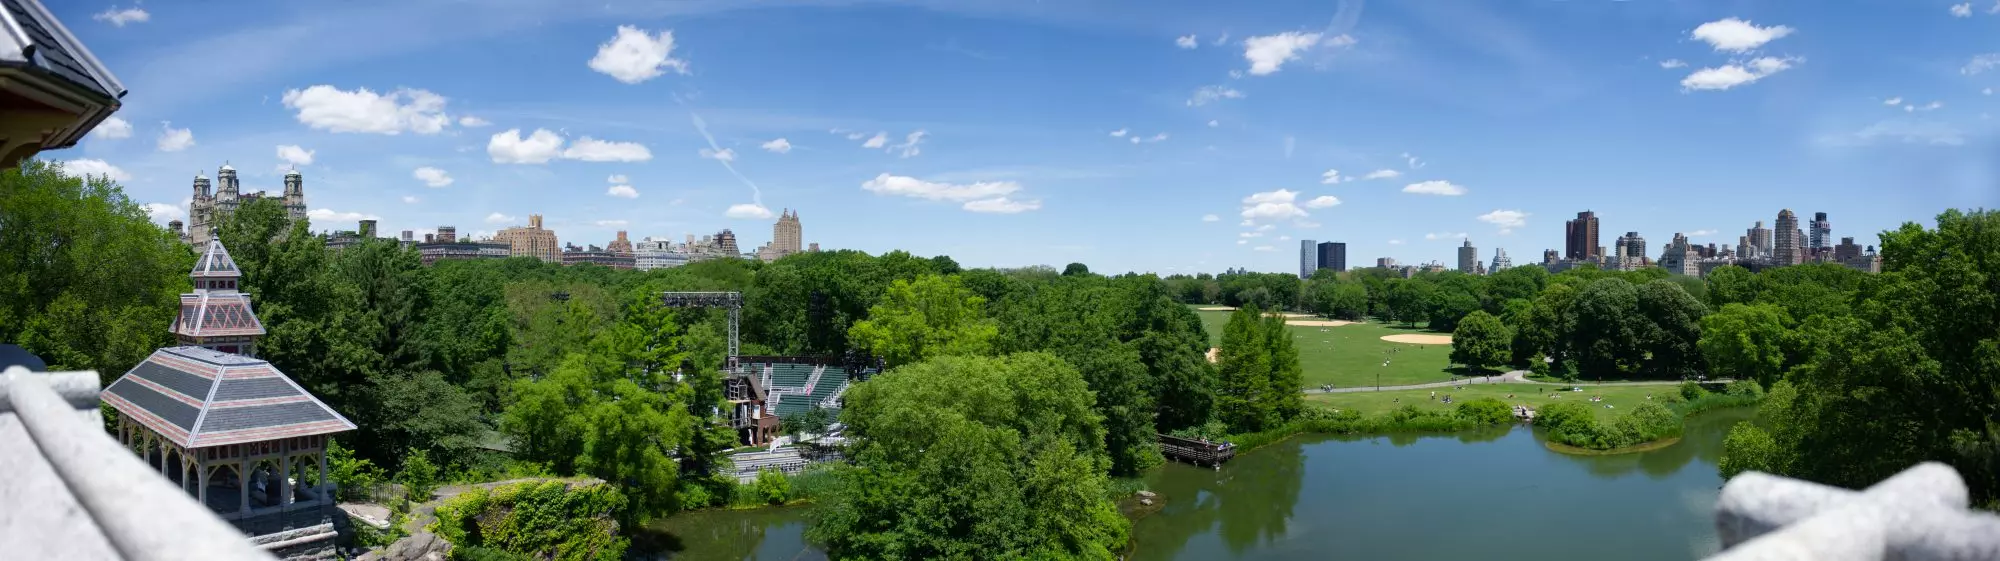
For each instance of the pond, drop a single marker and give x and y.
(1492, 495)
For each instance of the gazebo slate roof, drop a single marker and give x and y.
(198, 397)
(210, 314)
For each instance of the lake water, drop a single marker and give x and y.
(1492, 495)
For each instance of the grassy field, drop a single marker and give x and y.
(1351, 355)
(1621, 397)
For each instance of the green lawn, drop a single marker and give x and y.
(1621, 397)
(1352, 355)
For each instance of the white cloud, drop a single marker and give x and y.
(1932, 106)
(611, 223)
(910, 145)
(509, 148)
(1186, 42)
(113, 127)
(1264, 248)
(1267, 227)
(94, 168)
(1435, 187)
(1893, 101)
(1995, 9)
(1412, 161)
(724, 154)
(295, 155)
(1284, 238)
(747, 211)
(325, 215)
(906, 186)
(622, 191)
(1242, 242)
(471, 121)
(1213, 123)
(1206, 94)
(1250, 234)
(778, 145)
(1961, 10)
(593, 150)
(1732, 75)
(1395, 242)
(1332, 176)
(326, 107)
(173, 139)
(879, 140)
(857, 135)
(1898, 131)
(1155, 138)
(1247, 222)
(1701, 233)
(431, 176)
(632, 56)
(617, 178)
(1507, 220)
(162, 212)
(1323, 201)
(1210, 218)
(411, 199)
(497, 218)
(1271, 206)
(1120, 132)
(1444, 236)
(1001, 205)
(118, 18)
(1383, 174)
(1672, 63)
(1267, 53)
(1980, 63)
(1735, 35)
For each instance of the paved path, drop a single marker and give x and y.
(1515, 377)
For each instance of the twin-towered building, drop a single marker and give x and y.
(207, 209)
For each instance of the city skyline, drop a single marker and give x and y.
(1696, 118)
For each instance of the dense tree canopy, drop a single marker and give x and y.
(1481, 342)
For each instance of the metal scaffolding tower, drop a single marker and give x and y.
(731, 300)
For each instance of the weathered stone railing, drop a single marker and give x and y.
(1917, 515)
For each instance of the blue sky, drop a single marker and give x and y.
(1017, 133)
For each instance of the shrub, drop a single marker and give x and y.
(1539, 365)
(1746, 448)
(773, 487)
(542, 520)
(1745, 388)
(419, 477)
(356, 478)
(1486, 411)
(1692, 391)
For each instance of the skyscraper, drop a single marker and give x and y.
(1756, 243)
(1580, 237)
(1308, 258)
(1787, 248)
(1468, 257)
(1500, 261)
(531, 241)
(1333, 255)
(1821, 238)
(785, 238)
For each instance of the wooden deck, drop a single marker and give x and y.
(1197, 452)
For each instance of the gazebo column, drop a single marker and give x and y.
(285, 481)
(325, 485)
(243, 486)
(163, 457)
(201, 482)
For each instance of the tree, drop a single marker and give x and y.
(1075, 269)
(1672, 329)
(1481, 342)
(929, 317)
(971, 457)
(1730, 284)
(813, 422)
(1284, 392)
(1408, 299)
(1745, 342)
(1607, 327)
(1244, 364)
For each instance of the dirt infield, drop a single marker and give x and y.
(1418, 339)
(1292, 315)
(1217, 309)
(1316, 322)
(1215, 354)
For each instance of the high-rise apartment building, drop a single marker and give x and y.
(1500, 261)
(1385, 262)
(1847, 250)
(1787, 248)
(1821, 237)
(1550, 257)
(1681, 257)
(1333, 255)
(1308, 258)
(1755, 243)
(447, 234)
(725, 242)
(532, 241)
(1468, 257)
(1633, 244)
(1580, 237)
(785, 238)
(622, 245)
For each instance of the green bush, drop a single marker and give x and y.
(773, 487)
(356, 478)
(476, 553)
(1746, 448)
(419, 477)
(1745, 388)
(543, 520)
(1486, 411)
(1692, 391)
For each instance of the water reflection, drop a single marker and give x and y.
(1496, 494)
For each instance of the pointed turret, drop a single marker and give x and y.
(216, 315)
